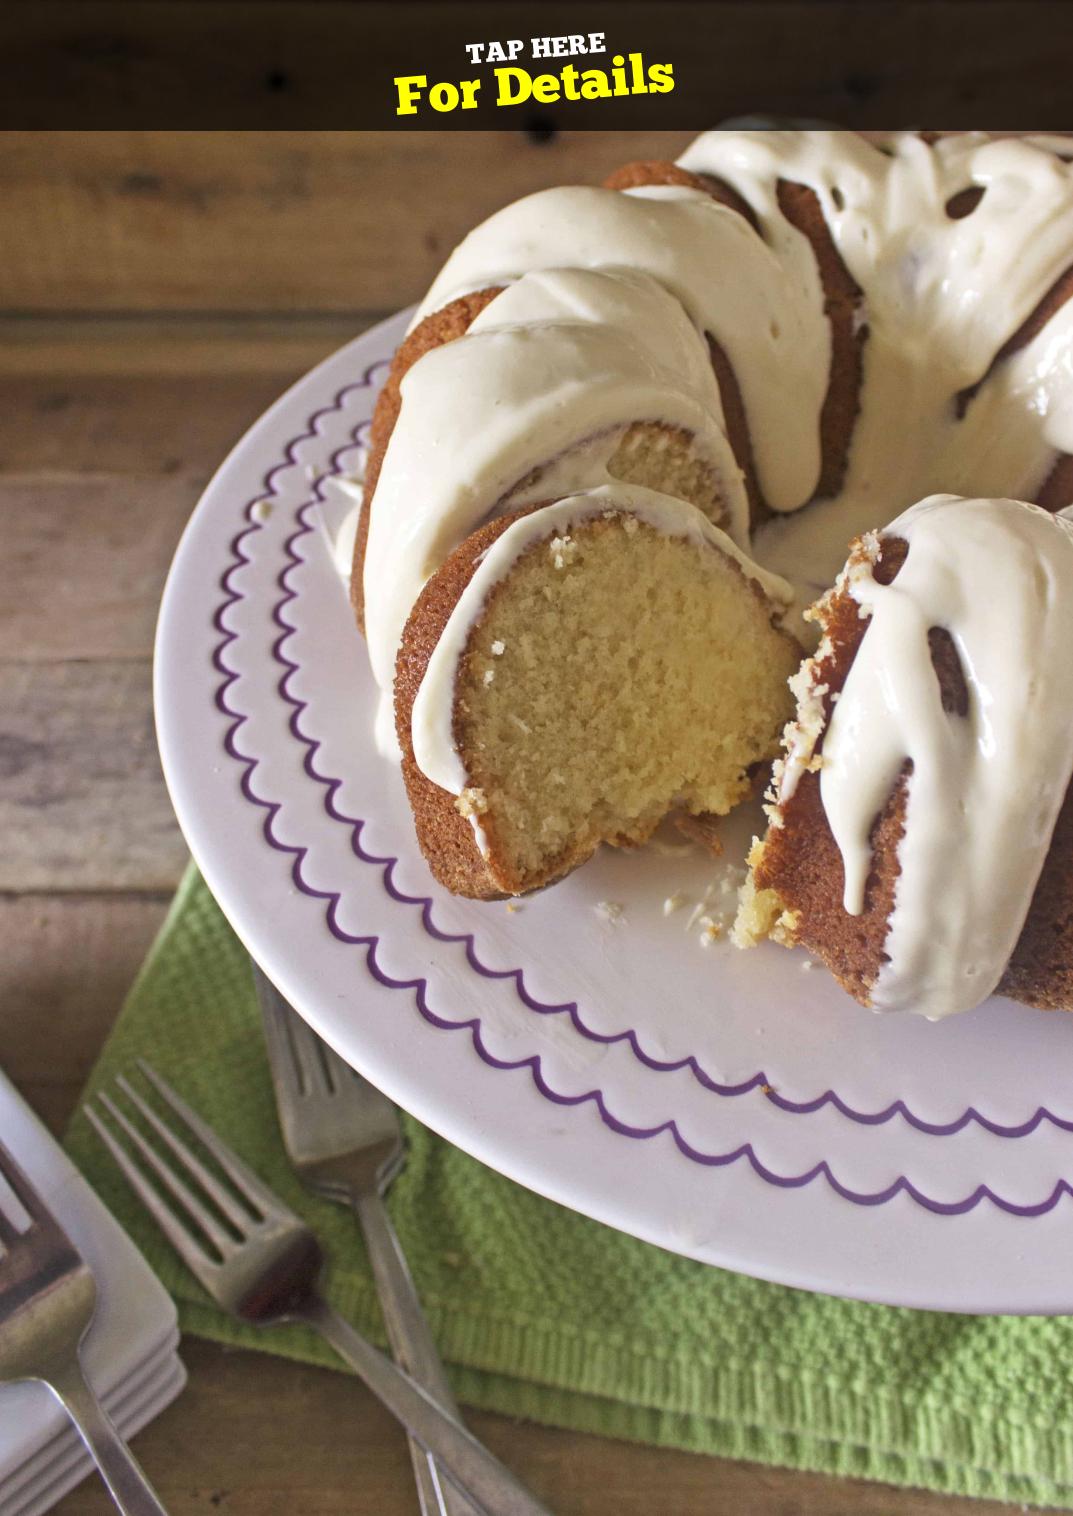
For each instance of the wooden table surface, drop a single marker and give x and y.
(155, 295)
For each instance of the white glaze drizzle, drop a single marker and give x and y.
(765, 309)
(941, 296)
(985, 789)
(433, 712)
(549, 373)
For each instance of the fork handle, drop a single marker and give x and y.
(130, 1490)
(412, 1345)
(463, 1459)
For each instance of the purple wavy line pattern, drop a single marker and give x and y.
(419, 987)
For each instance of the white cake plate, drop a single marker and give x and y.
(734, 1107)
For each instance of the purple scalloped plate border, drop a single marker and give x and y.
(899, 1186)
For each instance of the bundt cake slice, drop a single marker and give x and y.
(575, 672)
(921, 832)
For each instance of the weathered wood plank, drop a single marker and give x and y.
(296, 221)
(99, 471)
(87, 559)
(58, 348)
(68, 425)
(66, 963)
(82, 802)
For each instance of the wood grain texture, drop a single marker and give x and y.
(53, 350)
(114, 429)
(73, 535)
(82, 803)
(260, 221)
(67, 961)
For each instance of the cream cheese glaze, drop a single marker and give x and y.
(433, 713)
(765, 310)
(941, 296)
(986, 788)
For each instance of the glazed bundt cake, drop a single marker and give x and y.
(575, 672)
(921, 828)
(787, 335)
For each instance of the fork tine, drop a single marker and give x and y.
(309, 1053)
(19, 1184)
(9, 1232)
(236, 1214)
(172, 1181)
(281, 1051)
(182, 1240)
(243, 1178)
(341, 1076)
(298, 1055)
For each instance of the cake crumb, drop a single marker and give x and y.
(471, 802)
(563, 551)
(610, 910)
(261, 510)
(666, 849)
(498, 648)
(710, 931)
(513, 907)
(674, 903)
(806, 965)
(767, 1089)
(786, 928)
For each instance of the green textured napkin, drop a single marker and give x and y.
(543, 1313)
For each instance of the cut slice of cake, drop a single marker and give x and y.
(574, 673)
(921, 832)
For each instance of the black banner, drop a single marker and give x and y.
(266, 64)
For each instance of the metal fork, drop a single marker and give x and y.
(260, 1262)
(47, 1299)
(344, 1140)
